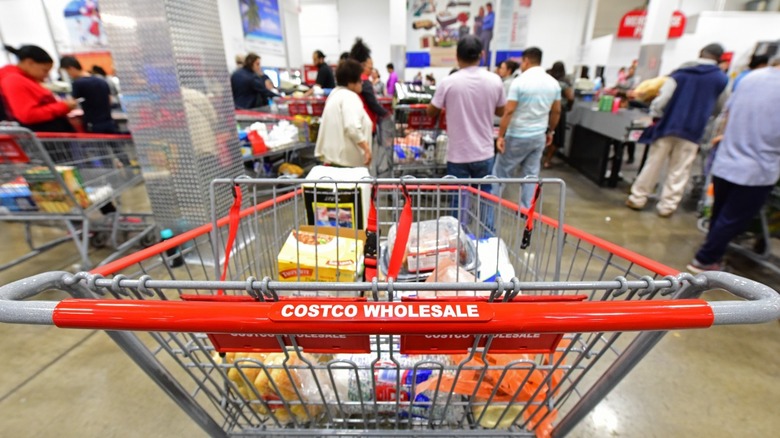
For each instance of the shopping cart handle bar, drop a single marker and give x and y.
(284, 318)
(762, 305)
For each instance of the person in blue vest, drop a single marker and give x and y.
(685, 103)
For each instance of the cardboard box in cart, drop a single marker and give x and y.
(331, 203)
(329, 254)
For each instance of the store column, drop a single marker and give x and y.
(170, 60)
(655, 33)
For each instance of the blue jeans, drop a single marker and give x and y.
(525, 154)
(476, 169)
(733, 208)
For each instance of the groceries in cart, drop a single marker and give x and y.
(277, 385)
(329, 203)
(260, 139)
(361, 379)
(15, 196)
(414, 147)
(504, 388)
(322, 254)
(50, 195)
(430, 243)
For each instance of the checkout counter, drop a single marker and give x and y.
(595, 140)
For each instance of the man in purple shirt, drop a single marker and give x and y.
(391, 81)
(470, 97)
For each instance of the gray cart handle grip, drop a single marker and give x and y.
(760, 304)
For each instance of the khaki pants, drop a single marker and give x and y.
(680, 154)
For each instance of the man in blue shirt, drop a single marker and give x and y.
(746, 166)
(532, 112)
(686, 101)
(486, 34)
(96, 94)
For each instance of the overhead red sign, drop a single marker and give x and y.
(632, 24)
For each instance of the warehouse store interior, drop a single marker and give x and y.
(586, 191)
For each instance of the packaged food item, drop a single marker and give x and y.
(324, 254)
(16, 196)
(386, 383)
(501, 384)
(50, 195)
(493, 259)
(449, 271)
(332, 203)
(432, 242)
(283, 382)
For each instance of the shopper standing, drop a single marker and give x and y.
(113, 84)
(324, 73)
(391, 80)
(362, 54)
(746, 166)
(376, 82)
(558, 72)
(684, 104)
(508, 70)
(96, 95)
(532, 112)
(344, 138)
(486, 33)
(249, 85)
(25, 100)
(471, 98)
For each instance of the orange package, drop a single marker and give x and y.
(512, 377)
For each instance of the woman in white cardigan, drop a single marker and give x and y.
(344, 137)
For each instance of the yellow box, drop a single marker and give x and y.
(332, 258)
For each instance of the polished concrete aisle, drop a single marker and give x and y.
(720, 382)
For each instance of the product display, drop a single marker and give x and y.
(50, 195)
(325, 255)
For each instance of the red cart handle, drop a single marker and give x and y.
(361, 318)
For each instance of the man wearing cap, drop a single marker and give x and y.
(470, 97)
(686, 101)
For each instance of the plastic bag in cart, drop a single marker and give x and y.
(433, 241)
(392, 382)
(280, 385)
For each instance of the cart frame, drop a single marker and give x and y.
(633, 302)
(80, 151)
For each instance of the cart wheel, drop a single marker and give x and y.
(148, 240)
(99, 239)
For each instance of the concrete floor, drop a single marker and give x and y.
(719, 382)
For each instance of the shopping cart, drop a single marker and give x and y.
(278, 149)
(75, 180)
(420, 143)
(522, 355)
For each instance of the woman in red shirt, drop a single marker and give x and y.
(25, 100)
